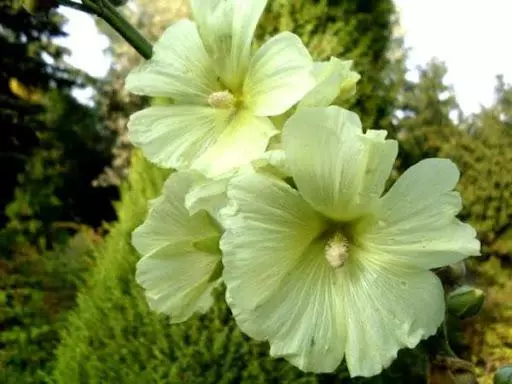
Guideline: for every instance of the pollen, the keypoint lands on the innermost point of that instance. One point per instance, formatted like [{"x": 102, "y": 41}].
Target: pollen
[
  {"x": 222, "y": 100},
  {"x": 336, "y": 250}
]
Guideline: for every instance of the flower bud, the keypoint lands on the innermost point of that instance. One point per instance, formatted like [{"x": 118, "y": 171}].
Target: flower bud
[
  {"x": 465, "y": 301},
  {"x": 503, "y": 375}
]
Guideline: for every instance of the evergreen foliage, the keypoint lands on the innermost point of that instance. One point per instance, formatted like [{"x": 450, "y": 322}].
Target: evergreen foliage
[
  {"x": 51, "y": 148},
  {"x": 424, "y": 110},
  {"x": 35, "y": 290},
  {"x": 31, "y": 65},
  {"x": 483, "y": 153},
  {"x": 55, "y": 191}
]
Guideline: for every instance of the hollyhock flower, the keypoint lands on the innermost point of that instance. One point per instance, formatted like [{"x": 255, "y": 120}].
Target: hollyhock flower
[
  {"x": 181, "y": 260},
  {"x": 334, "y": 269},
  {"x": 223, "y": 92}
]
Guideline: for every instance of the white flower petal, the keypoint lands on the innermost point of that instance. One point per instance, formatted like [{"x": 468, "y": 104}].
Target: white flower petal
[
  {"x": 387, "y": 309},
  {"x": 227, "y": 29},
  {"x": 416, "y": 224},
  {"x": 267, "y": 228},
  {"x": 174, "y": 136},
  {"x": 279, "y": 75},
  {"x": 333, "y": 79},
  {"x": 168, "y": 215},
  {"x": 304, "y": 318},
  {"x": 179, "y": 68},
  {"x": 244, "y": 140},
  {"x": 179, "y": 257},
  {"x": 178, "y": 281},
  {"x": 337, "y": 169},
  {"x": 208, "y": 195},
  {"x": 273, "y": 162}
]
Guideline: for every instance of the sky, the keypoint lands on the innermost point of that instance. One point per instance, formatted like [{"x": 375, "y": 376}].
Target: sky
[{"x": 471, "y": 36}]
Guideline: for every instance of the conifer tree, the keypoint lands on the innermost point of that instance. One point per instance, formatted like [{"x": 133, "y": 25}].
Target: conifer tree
[
  {"x": 50, "y": 149},
  {"x": 425, "y": 110}
]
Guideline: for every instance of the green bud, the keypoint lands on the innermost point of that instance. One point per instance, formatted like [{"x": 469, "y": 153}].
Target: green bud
[
  {"x": 465, "y": 301},
  {"x": 503, "y": 375}
]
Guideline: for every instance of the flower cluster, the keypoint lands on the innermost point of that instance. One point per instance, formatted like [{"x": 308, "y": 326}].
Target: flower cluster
[{"x": 282, "y": 197}]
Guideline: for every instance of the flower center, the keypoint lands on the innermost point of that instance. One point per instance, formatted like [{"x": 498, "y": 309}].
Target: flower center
[
  {"x": 222, "y": 99},
  {"x": 336, "y": 250}
]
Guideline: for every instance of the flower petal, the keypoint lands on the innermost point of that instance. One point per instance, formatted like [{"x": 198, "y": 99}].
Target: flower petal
[
  {"x": 174, "y": 136},
  {"x": 244, "y": 140},
  {"x": 227, "y": 29},
  {"x": 301, "y": 318},
  {"x": 178, "y": 281},
  {"x": 387, "y": 309},
  {"x": 333, "y": 79},
  {"x": 176, "y": 271},
  {"x": 337, "y": 169},
  {"x": 267, "y": 228},
  {"x": 273, "y": 162},
  {"x": 416, "y": 224},
  {"x": 279, "y": 75},
  {"x": 278, "y": 287},
  {"x": 208, "y": 195},
  {"x": 179, "y": 68}
]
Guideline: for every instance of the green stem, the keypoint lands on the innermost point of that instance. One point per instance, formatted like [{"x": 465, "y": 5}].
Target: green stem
[
  {"x": 446, "y": 341},
  {"x": 109, "y": 13}
]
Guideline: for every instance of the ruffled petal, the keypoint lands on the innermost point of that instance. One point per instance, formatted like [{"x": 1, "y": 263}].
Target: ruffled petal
[
  {"x": 416, "y": 224},
  {"x": 227, "y": 30},
  {"x": 334, "y": 79},
  {"x": 337, "y": 169},
  {"x": 180, "y": 262},
  {"x": 268, "y": 226},
  {"x": 387, "y": 308},
  {"x": 174, "y": 136},
  {"x": 179, "y": 68},
  {"x": 279, "y": 75},
  {"x": 273, "y": 162},
  {"x": 244, "y": 140},
  {"x": 178, "y": 281},
  {"x": 303, "y": 319},
  {"x": 208, "y": 195}
]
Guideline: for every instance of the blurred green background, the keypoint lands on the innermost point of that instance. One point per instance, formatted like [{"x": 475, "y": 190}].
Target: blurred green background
[{"x": 72, "y": 190}]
